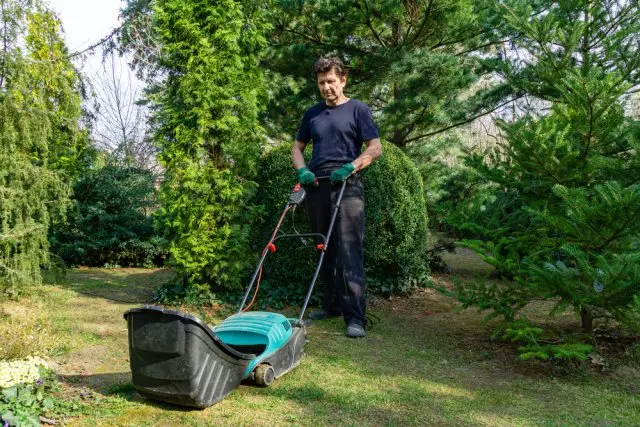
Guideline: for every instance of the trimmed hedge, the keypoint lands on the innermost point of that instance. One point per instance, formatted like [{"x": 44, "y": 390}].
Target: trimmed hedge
[{"x": 395, "y": 232}]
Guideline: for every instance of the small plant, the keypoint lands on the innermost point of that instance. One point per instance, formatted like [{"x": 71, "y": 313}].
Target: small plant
[
  {"x": 29, "y": 391},
  {"x": 534, "y": 347},
  {"x": 24, "y": 391}
]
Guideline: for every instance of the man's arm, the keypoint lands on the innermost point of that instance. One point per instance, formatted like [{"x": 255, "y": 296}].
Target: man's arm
[
  {"x": 296, "y": 154},
  {"x": 372, "y": 152}
]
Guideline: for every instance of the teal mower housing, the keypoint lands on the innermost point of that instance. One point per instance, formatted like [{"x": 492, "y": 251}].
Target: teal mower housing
[{"x": 177, "y": 358}]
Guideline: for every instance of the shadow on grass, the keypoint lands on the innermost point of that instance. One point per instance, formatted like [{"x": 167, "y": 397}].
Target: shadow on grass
[
  {"x": 131, "y": 286},
  {"x": 119, "y": 384}
]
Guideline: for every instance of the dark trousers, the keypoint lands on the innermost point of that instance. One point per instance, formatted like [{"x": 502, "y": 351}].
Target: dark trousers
[{"x": 342, "y": 272}]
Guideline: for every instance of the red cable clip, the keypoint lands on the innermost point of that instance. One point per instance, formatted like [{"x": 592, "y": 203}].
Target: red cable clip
[
  {"x": 272, "y": 247},
  {"x": 320, "y": 247}
]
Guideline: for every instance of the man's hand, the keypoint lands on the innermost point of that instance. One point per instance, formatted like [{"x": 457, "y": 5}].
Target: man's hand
[
  {"x": 305, "y": 176},
  {"x": 341, "y": 174}
]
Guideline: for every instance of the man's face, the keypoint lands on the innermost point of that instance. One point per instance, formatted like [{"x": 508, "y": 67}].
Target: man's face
[{"x": 331, "y": 85}]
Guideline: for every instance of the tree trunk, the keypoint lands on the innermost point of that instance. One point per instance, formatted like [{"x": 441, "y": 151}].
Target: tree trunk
[
  {"x": 586, "y": 315},
  {"x": 398, "y": 137}
]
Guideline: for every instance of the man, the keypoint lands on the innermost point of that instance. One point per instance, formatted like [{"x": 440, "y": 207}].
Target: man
[{"x": 338, "y": 127}]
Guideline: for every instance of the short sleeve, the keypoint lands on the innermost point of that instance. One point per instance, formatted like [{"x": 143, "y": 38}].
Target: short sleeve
[
  {"x": 304, "y": 131},
  {"x": 366, "y": 127}
]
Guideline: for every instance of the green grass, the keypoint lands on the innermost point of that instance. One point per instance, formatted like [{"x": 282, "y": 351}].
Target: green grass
[{"x": 425, "y": 363}]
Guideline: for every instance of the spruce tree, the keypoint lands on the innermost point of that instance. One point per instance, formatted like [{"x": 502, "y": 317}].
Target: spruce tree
[{"x": 565, "y": 219}]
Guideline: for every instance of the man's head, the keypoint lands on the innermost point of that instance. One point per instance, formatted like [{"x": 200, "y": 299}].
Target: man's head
[{"x": 331, "y": 78}]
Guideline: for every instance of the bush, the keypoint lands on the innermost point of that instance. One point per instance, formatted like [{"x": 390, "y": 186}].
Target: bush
[
  {"x": 395, "y": 234},
  {"x": 111, "y": 221}
]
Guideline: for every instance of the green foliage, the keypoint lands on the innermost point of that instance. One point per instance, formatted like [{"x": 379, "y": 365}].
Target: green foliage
[
  {"x": 414, "y": 62},
  {"x": 396, "y": 224},
  {"x": 204, "y": 112},
  {"x": 176, "y": 293},
  {"x": 500, "y": 298},
  {"x": 50, "y": 73},
  {"x": 395, "y": 231},
  {"x": 520, "y": 331},
  {"x": 206, "y": 222},
  {"x": 453, "y": 190},
  {"x": 22, "y": 404},
  {"x": 564, "y": 222},
  {"x": 631, "y": 319},
  {"x": 111, "y": 220},
  {"x": 41, "y": 144}
]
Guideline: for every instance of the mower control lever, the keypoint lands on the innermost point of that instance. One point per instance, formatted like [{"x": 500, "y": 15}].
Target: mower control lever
[{"x": 297, "y": 195}]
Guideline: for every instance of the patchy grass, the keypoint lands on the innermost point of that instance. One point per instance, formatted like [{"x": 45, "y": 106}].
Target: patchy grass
[{"x": 426, "y": 362}]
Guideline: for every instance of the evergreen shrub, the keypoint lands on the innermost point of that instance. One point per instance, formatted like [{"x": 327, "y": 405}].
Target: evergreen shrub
[
  {"x": 396, "y": 231},
  {"x": 111, "y": 221}
]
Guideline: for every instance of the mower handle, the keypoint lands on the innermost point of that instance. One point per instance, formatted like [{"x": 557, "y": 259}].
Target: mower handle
[
  {"x": 322, "y": 249},
  {"x": 322, "y": 178}
]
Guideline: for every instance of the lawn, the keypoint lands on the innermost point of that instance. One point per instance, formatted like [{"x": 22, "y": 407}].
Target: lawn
[{"x": 426, "y": 362}]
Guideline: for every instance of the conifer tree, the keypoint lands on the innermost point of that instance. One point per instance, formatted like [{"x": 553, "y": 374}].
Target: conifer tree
[
  {"x": 565, "y": 220},
  {"x": 415, "y": 62},
  {"x": 39, "y": 138},
  {"x": 204, "y": 111}
]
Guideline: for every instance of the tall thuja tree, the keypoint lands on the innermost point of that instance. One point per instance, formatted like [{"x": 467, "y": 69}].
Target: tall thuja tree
[
  {"x": 204, "y": 112},
  {"x": 35, "y": 105},
  {"x": 415, "y": 62},
  {"x": 565, "y": 222}
]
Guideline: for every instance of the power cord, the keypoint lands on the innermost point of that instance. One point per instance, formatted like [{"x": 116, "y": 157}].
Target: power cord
[{"x": 372, "y": 320}]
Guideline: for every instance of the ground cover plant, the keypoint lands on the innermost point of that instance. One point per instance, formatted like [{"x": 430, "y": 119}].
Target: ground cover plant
[{"x": 441, "y": 370}]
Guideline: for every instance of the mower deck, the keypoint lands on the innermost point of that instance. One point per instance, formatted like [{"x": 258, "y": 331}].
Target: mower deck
[{"x": 177, "y": 358}]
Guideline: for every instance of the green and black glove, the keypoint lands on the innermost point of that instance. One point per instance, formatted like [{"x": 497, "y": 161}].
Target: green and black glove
[
  {"x": 341, "y": 174},
  {"x": 305, "y": 176}
]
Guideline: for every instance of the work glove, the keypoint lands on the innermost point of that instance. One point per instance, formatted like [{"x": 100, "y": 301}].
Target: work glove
[
  {"x": 341, "y": 174},
  {"x": 305, "y": 176}
]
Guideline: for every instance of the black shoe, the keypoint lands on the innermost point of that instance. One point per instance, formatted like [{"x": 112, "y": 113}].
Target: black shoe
[
  {"x": 355, "y": 330},
  {"x": 322, "y": 314}
]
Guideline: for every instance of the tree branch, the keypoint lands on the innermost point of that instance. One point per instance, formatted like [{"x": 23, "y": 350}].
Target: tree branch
[
  {"x": 98, "y": 43},
  {"x": 460, "y": 123}
]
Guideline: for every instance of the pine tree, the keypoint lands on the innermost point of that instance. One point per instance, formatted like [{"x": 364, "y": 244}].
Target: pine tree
[
  {"x": 565, "y": 220},
  {"x": 416, "y": 63}
]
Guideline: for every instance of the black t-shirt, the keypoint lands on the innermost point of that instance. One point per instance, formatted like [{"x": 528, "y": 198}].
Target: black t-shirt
[{"x": 337, "y": 132}]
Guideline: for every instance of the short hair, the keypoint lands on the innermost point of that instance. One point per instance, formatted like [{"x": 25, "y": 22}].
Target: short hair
[{"x": 328, "y": 63}]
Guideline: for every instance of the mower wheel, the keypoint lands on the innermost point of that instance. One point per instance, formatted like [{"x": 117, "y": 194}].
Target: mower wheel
[{"x": 264, "y": 375}]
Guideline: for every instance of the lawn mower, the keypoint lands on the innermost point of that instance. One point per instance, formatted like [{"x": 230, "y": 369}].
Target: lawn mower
[{"x": 176, "y": 358}]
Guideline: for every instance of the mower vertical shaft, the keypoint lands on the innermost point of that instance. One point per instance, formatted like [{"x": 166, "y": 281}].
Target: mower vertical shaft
[
  {"x": 324, "y": 250},
  {"x": 264, "y": 256}
]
